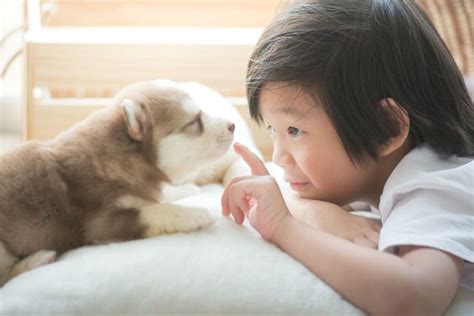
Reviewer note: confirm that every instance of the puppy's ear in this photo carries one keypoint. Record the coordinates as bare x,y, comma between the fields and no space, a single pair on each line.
135,119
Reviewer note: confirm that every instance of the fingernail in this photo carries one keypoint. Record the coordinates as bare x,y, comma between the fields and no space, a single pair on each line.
239,145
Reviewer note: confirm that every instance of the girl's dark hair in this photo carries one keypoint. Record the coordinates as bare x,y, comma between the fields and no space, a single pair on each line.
351,54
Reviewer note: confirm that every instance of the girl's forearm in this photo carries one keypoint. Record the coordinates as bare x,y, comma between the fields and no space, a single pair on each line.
376,282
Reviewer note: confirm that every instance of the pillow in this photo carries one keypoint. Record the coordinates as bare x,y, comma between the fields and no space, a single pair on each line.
224,269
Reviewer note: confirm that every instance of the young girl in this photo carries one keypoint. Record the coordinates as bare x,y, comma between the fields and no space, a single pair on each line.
364,103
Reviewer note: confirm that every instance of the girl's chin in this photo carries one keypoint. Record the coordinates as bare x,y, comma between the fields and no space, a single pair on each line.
307,195
311,193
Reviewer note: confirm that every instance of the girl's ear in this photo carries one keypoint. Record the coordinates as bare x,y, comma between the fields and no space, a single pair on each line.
135,118
400,122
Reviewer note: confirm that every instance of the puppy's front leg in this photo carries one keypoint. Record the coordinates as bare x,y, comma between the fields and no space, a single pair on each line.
171,218
172,193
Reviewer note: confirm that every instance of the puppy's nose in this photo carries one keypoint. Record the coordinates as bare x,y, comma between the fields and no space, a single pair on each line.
231,127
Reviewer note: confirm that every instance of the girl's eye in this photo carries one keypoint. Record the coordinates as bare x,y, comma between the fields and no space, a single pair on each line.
293,131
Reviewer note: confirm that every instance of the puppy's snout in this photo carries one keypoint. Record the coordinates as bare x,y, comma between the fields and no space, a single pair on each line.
231,127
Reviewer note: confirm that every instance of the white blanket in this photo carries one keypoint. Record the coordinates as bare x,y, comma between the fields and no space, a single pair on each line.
223,269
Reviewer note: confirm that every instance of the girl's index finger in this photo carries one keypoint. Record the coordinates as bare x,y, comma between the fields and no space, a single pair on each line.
253,161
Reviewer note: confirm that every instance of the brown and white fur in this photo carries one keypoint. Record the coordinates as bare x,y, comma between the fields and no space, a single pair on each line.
229,165
101,180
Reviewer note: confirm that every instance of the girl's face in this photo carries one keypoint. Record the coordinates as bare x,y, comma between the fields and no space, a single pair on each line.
308,148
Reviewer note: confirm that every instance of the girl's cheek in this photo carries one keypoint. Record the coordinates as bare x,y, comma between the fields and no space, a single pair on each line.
320,173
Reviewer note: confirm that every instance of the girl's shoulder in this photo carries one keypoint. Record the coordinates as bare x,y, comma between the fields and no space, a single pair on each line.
428,201
422,177
424,168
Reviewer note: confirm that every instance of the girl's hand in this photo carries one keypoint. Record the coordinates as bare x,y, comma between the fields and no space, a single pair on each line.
337,221
257,197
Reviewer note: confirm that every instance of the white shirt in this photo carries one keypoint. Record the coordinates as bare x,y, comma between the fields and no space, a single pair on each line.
429,201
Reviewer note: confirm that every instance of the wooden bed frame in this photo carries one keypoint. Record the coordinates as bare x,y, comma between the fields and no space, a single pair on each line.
80,52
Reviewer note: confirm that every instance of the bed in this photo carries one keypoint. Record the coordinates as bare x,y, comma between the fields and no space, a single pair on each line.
221,270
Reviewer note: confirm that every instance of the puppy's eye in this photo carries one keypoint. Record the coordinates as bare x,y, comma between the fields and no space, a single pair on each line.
195,127
271,130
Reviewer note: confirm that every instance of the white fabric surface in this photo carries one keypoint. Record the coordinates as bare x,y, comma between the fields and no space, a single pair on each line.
223,269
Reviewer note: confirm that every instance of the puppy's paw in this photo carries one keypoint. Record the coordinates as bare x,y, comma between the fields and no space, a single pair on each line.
33,261
170,218
193,219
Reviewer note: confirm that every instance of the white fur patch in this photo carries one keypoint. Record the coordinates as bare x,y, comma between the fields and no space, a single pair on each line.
215,104
190,106
182,156
130,201
170,218
172,193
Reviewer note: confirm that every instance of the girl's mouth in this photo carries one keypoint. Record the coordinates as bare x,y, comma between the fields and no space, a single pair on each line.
299,186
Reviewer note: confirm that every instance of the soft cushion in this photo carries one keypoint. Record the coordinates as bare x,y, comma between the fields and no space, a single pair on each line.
223,269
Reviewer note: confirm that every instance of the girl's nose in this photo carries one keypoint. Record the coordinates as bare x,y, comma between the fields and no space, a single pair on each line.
281,156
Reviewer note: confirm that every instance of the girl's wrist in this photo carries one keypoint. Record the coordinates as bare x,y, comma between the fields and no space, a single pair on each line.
283,230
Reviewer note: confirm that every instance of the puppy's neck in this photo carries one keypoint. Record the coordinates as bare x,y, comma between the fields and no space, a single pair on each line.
99,150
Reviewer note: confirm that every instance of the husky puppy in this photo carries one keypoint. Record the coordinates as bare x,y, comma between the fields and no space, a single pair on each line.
101,180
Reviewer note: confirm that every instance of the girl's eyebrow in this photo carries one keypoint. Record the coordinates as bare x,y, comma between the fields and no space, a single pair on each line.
293,112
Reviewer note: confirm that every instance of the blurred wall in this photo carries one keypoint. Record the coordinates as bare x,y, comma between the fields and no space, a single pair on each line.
11,17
